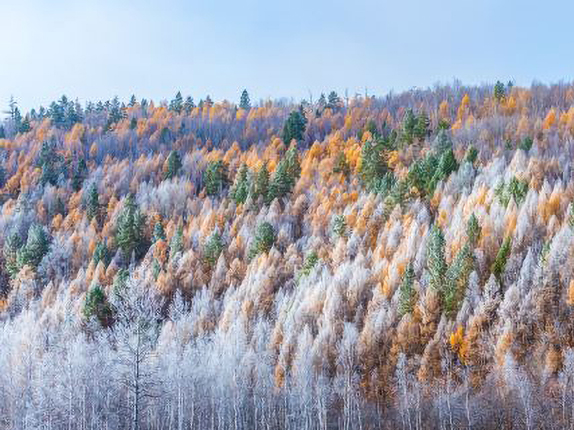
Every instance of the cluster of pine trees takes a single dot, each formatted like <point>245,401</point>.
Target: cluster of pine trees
<point>358,263</point>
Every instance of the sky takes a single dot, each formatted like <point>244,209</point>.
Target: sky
<point>96,49</point>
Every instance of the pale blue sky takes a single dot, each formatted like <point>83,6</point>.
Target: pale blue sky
<point>95,49</point>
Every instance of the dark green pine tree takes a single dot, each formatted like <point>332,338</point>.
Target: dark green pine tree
<point>499,91</point>
<point>373,166</point>
<point>37,246</point>
<point>371,127</point>
<point>407,293</point>
<point>93,204</point>
<point>17,118</point>
<point>114,113</point>
<point>213,248</point>
<point>97,306</point>
<point>158,232</point>
<point>447,164</point>
<point>260,186</point>
<point>456,280</point>
<point>263,241</point>
<point>173,165</point>
<point>2,176</point>
<point>25,125</point>
<point>409,126</point>
<point>471,154</point>
<point>240,189</point>
<point>245,103</point>
<point>176,105</point>
<point>79,175</point>
<point>473,230</point>
<point>311,261</point>
<point>10,251</point>
<point>499,264</point>
<point>130,229</point>
<point>188,105</point>
<point>215,177</point>
<point>294,127</point>
<point>436,263</point>
<point>421,130</point>
<point>333,101</point>
<point>526,143</point>
<point>2,132</point>
<point>120,282</point>
<point>322,102</point>
<point>133,101</point>
<point>176,244</point>
<point>286,175</point>
<point>48,161</point>
<point>339,226</point>
<point>101,253</point>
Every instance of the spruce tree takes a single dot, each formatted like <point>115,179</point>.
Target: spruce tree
<point>25,125</point>
<point>245,103</point>
<point>471,154</point>
<point>407,294</point>
<point>215,177</point>
<point>176,105</point>
<point>261,184</point>
<point>457,280</point>
<point>188,105</point>
<point>409,125</point>
<point>339,225</point>
<point>285,176</point>
<point>322,102</point>
<point>526,143</point>
<point>48,161</point>
<point>264,240</point>
<point>499,263</point>
<point>130,229</point>
<point>173,165</point>
<point>158,232</point>
<point>310,261</point>
<point>371,127</point>
<point>334,101</point>
<point>373,166</point>
<point>176,243</point>
<point>101,253</point>
<point>240,189</point>
<point>473,230</point>
<point>10,251</point>
<point>79,174</point>
<point>93,204</point>
<point>96,305</point>
<point>447,164</point>
<point>17,119</point>
<point>499,91</point>
<point>436,263</point>
<point>37,246</point>
<point>421,128</point>
<point>294,127</point>
<point>120,283</point>
<point>213,248</point>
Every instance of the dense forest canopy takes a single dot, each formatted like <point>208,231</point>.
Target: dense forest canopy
<point>359,263</point>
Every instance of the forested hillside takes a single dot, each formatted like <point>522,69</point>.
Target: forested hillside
<point>359,262</point>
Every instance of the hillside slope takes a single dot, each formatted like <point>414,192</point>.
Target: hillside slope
<point>395,262</point>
